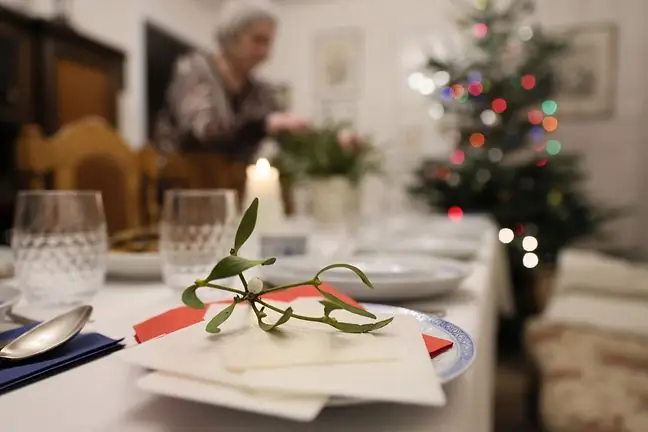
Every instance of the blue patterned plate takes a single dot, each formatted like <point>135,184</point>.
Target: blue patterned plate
<point>448,365</point>
<point>453,362</point>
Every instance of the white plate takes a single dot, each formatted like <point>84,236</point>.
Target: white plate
<point>402,278</point>
<point>373,265</point>
<point>9,296</point>
<point>449,365</point>
<point>428,244</point>
<point>135,265</point>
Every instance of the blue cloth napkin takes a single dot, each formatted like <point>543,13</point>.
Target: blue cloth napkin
<point>82,348</point>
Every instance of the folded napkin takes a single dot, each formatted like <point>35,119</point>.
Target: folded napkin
<point>80,349</point>
<point>181,317</point>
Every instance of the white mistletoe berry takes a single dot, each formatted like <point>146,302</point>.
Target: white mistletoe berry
<point>255,285</point>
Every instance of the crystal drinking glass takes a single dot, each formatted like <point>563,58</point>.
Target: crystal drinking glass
<point>60,245</point>
<point>196,231</point>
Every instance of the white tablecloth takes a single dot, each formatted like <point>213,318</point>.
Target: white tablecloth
<point>101,396</point>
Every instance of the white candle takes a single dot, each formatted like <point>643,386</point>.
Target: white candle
<point>263,183</point>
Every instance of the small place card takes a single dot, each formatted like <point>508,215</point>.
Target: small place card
<point>283,245</point>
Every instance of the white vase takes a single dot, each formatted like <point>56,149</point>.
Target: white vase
<point>334,200</point>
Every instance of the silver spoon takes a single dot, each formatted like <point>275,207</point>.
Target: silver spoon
<point>47,335</point>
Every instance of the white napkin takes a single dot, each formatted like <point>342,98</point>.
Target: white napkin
<point>297,407</point>
<point>164,353</point>
<point>302,342</point>
<point>409,376</point>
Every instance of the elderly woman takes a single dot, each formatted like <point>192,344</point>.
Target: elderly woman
<point>217,112</point>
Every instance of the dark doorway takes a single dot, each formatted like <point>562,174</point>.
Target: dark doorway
<point>162,50</point>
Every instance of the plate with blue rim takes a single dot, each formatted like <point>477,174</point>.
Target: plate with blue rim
<point>449,365</point>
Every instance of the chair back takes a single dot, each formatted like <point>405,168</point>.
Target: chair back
<point>91,155</point>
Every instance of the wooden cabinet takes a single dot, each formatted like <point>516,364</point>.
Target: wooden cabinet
<point>50,75</point>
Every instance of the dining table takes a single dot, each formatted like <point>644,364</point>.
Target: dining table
<point>102,395</point>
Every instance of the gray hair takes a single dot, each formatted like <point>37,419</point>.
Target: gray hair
<point>236,15</point>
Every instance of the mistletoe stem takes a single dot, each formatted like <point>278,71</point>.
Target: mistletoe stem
<point>292,285</point>
<point>224,288</point>
<point>243,281</point>
<point>281,311</point>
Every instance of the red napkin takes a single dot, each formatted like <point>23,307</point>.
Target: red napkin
<point>184,316</point>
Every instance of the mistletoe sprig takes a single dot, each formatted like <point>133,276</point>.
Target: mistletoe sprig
<point>253,291</point>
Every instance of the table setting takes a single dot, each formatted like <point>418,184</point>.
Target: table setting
<point>293,325</point>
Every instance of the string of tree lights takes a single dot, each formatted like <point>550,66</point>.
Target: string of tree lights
<point>506,161</point>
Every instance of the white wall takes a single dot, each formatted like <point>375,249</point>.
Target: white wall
<point>614,149</point>
<point>120,23</point>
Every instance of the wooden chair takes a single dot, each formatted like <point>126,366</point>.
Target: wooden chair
<point>161,172</point>
<point>90,155</point>
<point>35,159</point>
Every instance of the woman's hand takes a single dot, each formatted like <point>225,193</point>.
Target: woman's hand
<point>278,122</point>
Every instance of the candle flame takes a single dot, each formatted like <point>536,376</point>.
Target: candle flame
<point>263,166</point>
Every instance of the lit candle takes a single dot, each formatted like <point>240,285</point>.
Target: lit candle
<point>263,183</point>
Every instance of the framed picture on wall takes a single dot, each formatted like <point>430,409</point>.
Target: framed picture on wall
<point>337,111</point>
<point>586,74</point>
<point>338,60</point>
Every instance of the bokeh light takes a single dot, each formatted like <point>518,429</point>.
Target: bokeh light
<point>436,111</point>
<point>488,117</point>
<point>499,105</point>
<point>495,155</point>
<point>506,235</point>
<point>528,82</point>
<point>530,260</point>
<point>536,133</point>
<point>474,76</point>
<point>455,213</point>
<point>553,147</point>
<point>483,175</point>
<point>481,4</point>
<point>549,107</point>
<point>480,30</point>
<point>457,157</point>
<point>475,88</point>
<point>446,93</point>
<point>535,117</point>
<point>550,124</point>
<point>542,162</point>
<point>554,198</point>
<point>441,78</point>
<point>427,86</point>
<point>529,243</point>
<point>477,139</point>
<point>415,79</point>
<point>458,91</point>
<point>525,33</point>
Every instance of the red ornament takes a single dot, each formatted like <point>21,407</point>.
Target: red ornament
<point>528,82</point>
<point>499,105</point>
<point>455,213</point>
<point>457,157</point>
<point>535,117</point>
<point>542,162</point>
<point>519,230</point>
<point>475,88</point>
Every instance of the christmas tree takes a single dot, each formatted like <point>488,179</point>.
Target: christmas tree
<point>506,163</point>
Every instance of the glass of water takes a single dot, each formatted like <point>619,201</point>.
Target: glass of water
<point>60,245</point>
<point>197,230</point>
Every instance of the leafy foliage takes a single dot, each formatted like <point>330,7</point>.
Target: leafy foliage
<point>318,153</point>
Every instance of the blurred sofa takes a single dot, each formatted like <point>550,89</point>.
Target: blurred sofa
<point>590,346</point>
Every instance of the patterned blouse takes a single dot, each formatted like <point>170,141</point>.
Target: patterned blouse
<point>202,115</point>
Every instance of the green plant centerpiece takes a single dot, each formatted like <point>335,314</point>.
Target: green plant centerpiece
<point>253,290</point>
<point>328,151</point>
